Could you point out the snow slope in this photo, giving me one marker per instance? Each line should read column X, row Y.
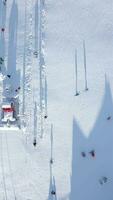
column 68, row 24
column 79, row 123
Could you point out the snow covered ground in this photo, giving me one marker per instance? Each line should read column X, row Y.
column 79, row 122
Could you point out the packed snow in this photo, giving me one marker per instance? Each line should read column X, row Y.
column 59, row 145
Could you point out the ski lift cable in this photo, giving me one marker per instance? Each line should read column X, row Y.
column 10, row 169
column 2, row 167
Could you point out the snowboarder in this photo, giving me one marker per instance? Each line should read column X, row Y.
column 92, row 153
column 83, row 154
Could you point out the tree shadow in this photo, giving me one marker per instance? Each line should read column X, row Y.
column 88, row 169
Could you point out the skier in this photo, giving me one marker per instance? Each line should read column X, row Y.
column 92, row 153
column 19, row 88
column 34, row 142
column 45, row 116
column 3, row 29
column 83, row 154
column 8, row 75
column 109, row 117
column 53, row 192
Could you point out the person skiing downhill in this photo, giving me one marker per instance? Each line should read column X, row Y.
column 8, row 75
column 109, row 117
column 34, row 142
column 83, row 154
column 53, row 192
column 92, row 153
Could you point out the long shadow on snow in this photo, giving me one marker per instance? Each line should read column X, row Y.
column 52, row 186
column 88, row 170
column 2, row 38
column 14, row 81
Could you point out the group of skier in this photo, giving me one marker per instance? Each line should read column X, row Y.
column 92, row 153
column 103, row 179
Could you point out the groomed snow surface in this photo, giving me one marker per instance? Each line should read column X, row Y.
column 82, row 125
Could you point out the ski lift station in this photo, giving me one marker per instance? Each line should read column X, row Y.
column 9, row 112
